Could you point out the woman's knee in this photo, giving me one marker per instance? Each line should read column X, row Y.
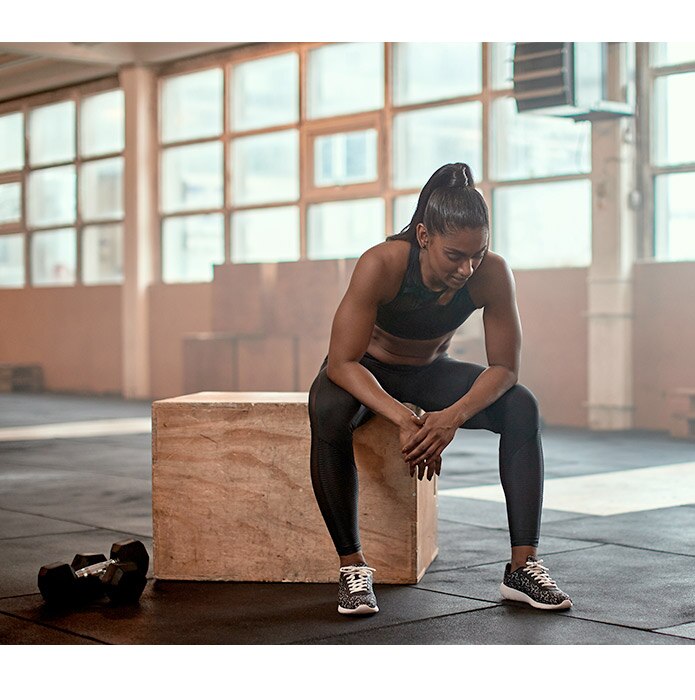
column 331, row 408
column 520, row 409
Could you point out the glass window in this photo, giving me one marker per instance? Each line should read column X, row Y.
column 191, row 245
column 52, row 133
column 528, row 146
column 191, row 106
column 10, row 202
column 532, row 229
column 266, row 168
column 11, row 142
column 426, row 72
column 672, row 53
column 101, row 189
column 265, row 235
column 344, row 229
column 102, row 123
column 12, row 260
column 403, row 210
column 53, row 257
column 192, row 177
column 51, row 196
column 672, row 133
column 344, row 159
column 102, row 254
column 502, row 65
column 426, row 139
column 265, row 92
column 674, row 211
column 344, row 79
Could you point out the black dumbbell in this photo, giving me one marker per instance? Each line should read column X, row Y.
column 122, row 577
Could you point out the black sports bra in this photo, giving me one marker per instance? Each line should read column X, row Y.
column 414, row 312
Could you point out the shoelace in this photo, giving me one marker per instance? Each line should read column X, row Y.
column 357, row 577
column 540, row 573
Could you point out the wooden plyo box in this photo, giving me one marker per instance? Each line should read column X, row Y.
column 232, row 498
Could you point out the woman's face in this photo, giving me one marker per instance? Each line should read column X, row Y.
column 454, row 256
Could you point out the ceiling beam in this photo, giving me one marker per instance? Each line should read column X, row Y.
column 113, row 54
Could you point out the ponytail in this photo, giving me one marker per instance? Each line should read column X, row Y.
column 448, row 201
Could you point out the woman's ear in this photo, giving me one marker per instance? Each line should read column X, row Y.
column 421, row 235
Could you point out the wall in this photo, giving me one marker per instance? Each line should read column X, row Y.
column 73, row 332
column 663, row 338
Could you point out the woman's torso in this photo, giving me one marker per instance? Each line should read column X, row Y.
column 418, row 322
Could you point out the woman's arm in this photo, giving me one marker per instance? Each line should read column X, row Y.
column 502, row 344
column 351, row 332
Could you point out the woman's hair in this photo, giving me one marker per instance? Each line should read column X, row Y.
column 448, row 202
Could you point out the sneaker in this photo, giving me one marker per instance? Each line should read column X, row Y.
column 355, row 594
column 531, row 584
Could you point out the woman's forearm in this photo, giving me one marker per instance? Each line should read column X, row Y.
column 487, row 388
column 361, row 383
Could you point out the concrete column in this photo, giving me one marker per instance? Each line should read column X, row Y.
column 610, row 313
column 140, row 235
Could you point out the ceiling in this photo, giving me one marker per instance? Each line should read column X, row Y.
column 27, row 68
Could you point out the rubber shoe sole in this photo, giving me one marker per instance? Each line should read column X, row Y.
column 359, row 610
column 513, row 594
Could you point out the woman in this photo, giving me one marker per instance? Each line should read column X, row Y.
column 406, row 298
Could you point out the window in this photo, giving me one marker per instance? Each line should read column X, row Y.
column 66, row 199
column 345, row 79
column 531, row 146
column 670, row 174
column 429, row 72
column 315, row 151
column 532, row 228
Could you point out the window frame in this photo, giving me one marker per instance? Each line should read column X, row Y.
column 25, row 105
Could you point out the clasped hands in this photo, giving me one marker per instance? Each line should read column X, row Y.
column 423, row 439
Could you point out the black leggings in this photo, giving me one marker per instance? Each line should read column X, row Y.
column 335, row 413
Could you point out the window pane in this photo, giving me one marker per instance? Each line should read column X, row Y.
column 425, row 72
column 102, row 254
column 191, row 245
column 51, row 196
column 11, row 142
column 192, row 177
column 426, row 139
column 532, row 229
column 344, row 79
column 102, row 123
column 672, row 53
column 10, row 202
column 525, row 146
column 672, row 133
column 265, row 235
column 403, row 210
column 265, row 92
column 53, row 257
column 192, row 106
column 674, row 216
column 12, row 260
column 343, row 159
column 344, row 229
column 266, row 168
column 52, row 133
column 502, row 65
column 101, row 189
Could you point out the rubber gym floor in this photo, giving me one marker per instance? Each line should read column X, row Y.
column 617, row 535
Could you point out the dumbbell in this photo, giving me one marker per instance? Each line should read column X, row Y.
column 122, row 577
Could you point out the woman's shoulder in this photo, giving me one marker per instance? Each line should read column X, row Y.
column 382, row 266
column 493, row 275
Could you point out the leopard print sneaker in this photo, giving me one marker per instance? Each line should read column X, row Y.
column 532, row 584
column 355, row 594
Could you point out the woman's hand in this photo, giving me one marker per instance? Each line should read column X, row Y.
column 424, row 449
